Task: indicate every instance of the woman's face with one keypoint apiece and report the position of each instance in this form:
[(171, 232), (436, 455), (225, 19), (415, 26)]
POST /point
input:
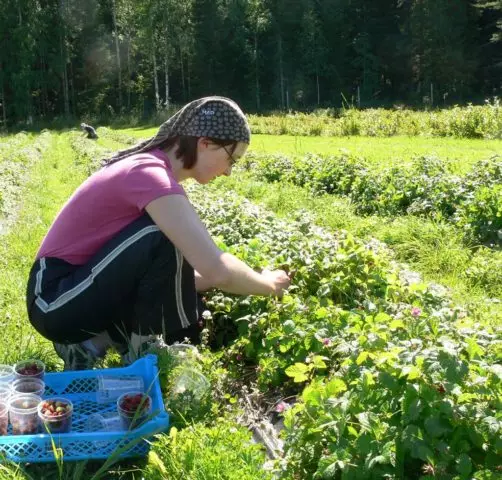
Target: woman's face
[(214, 160)]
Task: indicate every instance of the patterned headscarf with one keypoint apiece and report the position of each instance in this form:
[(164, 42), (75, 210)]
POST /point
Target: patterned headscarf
[(216, 117)]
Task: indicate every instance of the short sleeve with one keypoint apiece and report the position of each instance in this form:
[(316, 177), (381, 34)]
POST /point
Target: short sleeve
[(148, 180)]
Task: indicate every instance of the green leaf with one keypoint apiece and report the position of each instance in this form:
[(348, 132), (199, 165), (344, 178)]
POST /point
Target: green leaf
[(362, 357), (435, 427), (321, 313), (395, 324), (363, 444), (364, 420), (335, 387), (414, 409), (473, 349), (312, 395), (411, 371), (298, 372), (464, 465), (318, 362), (420, 450)]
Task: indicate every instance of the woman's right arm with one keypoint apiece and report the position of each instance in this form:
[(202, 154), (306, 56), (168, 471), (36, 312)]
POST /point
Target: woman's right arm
[(178, 220)]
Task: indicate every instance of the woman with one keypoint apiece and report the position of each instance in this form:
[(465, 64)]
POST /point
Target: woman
[(127, 254)]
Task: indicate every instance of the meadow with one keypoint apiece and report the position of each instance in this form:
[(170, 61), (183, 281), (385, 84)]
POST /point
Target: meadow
[(383, 360)]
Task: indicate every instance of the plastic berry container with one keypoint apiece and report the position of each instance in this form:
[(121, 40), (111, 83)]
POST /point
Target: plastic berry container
[(5, 391), (28, 385), (6, 373), (55, 414), (133, 409), (183, 352), (4, 417), (31, 368), (23, 413), (104, 423)]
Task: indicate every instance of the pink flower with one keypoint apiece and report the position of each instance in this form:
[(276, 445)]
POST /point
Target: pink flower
[(415, 311), (281, 406), (326, 341), (238, 357)]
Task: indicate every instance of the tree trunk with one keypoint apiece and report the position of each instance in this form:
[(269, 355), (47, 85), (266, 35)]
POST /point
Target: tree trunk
[(117, 53), (318, 90), (166, 79), (281, 73), (72, 89), (4, 110), (62, 46), (155, 79), (257, 71), (128, 72), (188, 79), (182, 75)]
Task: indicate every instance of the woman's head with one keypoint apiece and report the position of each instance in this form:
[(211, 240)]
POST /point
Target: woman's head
[(210, 123)]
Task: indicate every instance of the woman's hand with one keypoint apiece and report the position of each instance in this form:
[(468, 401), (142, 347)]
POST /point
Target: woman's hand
[(278, 280)]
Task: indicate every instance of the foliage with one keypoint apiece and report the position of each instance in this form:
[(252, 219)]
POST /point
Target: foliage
[(222, 451), (108, 60), (395, 378), (427, 187), (460, 122)]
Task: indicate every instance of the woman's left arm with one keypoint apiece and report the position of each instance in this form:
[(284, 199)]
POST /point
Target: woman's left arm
[(201, 284)]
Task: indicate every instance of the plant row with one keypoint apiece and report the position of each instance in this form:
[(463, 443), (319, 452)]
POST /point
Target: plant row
[(461, 122), (392, 378), (426, 187), (17, 156)]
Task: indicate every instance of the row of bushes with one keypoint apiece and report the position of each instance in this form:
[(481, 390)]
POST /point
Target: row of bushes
[(395, 381), (425, 187), (467, 122)]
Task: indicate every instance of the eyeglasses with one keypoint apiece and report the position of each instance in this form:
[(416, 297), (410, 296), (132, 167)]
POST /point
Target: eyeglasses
[(233, 160)]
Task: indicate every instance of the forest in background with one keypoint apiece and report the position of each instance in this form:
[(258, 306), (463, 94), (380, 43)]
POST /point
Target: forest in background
[(103, 59)]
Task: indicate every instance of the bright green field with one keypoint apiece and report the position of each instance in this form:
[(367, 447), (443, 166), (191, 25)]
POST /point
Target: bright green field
[(384, 151)]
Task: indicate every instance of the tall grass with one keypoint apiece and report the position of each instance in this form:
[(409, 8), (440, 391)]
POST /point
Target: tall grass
[(460, 122)]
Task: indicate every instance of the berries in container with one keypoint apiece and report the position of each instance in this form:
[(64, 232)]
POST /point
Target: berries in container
[(134, 408), (4, 417), (55, 414), (6, 374), (23, 413), (28, 385), (29, 369)]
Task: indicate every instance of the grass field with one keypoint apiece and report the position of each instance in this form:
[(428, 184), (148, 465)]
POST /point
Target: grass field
[(468, 343), (380, 151)]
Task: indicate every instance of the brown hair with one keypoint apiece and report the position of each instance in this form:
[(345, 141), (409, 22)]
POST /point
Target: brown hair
[(187, 147)]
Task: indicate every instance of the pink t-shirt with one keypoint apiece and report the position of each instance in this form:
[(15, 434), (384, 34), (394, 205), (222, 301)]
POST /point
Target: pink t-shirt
[(105, 203)]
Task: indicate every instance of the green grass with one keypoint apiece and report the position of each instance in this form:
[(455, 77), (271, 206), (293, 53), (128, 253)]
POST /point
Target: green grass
[(434, 249), (382, 151), (52, 181)]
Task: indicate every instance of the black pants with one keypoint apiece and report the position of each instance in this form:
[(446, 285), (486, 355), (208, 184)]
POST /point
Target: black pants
[(138, 282)]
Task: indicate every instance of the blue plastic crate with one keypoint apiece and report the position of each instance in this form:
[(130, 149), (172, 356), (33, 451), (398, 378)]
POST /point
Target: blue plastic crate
[(81, 387)]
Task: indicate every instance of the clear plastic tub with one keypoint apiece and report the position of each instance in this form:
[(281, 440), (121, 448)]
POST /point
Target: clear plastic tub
[(193, 381), (183, 352), (30, 368), (28, 385), (134, 408), (6, 373), (4, 417), (55, 414), (107, 422), (110, 388), (5, 391), (23, 413)]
